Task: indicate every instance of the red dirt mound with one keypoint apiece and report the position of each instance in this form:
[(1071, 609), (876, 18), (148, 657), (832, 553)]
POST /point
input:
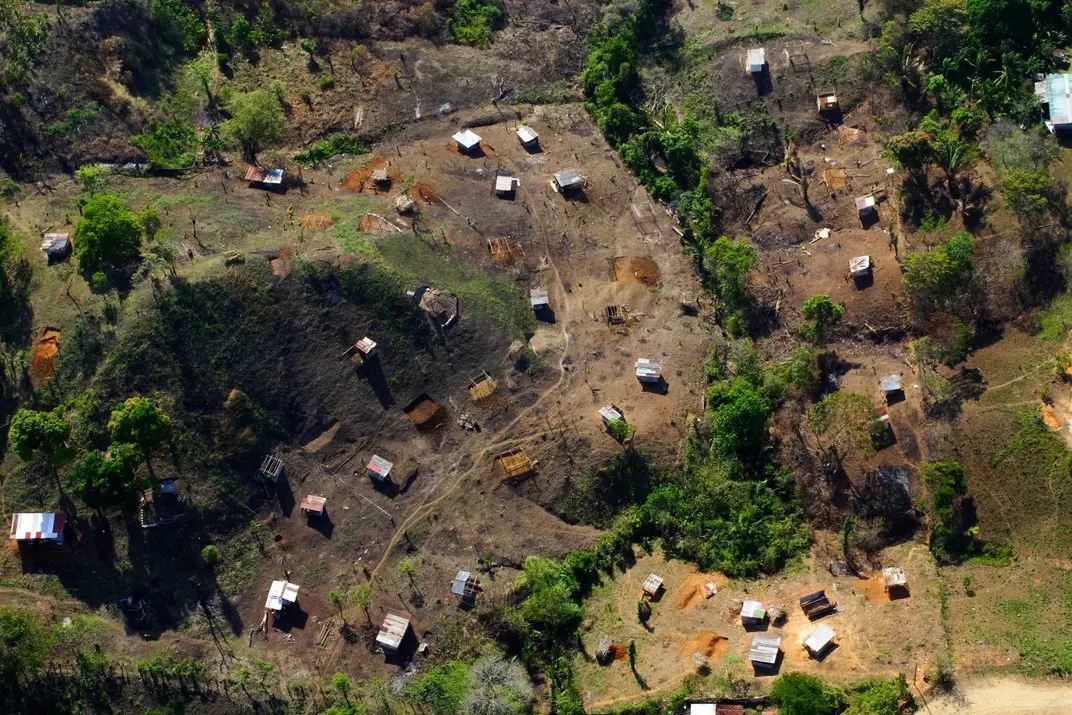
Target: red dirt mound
[(635, 269), (46, 354)]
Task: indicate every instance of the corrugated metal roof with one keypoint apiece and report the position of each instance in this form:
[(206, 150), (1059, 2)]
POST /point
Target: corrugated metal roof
[(891, 383), (757, 58), (818, 640), (609, 413), (765, 649), (1060, 92), (652, 583), (314, 503), (648, 369), (527, 135), (393, 630), (281, 593), (703, 709), (865, 203), (506, 183), (37, 526), (894, 576), (55, 242), (467, 139), (378, 467), (568, 178), (260, 175), (859, 265), (538, 298), (753, 609)]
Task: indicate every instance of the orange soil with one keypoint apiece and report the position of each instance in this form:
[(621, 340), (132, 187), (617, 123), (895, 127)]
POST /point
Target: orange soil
[(710, 644), (689, 593), (361, 180), (318, 221), (635, 269), (46, 354)]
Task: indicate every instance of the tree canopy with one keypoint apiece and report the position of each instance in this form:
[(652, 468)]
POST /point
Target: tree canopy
[(139, 421), (24, 642), (257, 121), (820, 313), (108, 236), (32, 432), (108, 480)]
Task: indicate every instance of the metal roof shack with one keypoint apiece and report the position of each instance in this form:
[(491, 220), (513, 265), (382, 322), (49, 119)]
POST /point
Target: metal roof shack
[(1059, 93), (815, 605), (652, 585), (379, 468), (57, 246), (380, 176), (38, 527), (757, 60), (893, 577), (506, 184), (753, 612), (819, 640), (312, 504), (539, 299), (465, 585), (764, 652), (365, 346), (567, 180), (280, 595), (271, 468), (649, 370), (467, 140), (826, 102), (860, 266), (610, 413), (393, 631), (260, 175), (865, 205), (529, 138), (891, 384)]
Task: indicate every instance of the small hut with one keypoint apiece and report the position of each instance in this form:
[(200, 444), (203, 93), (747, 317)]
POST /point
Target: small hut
[(393, 632), (280, 595), (652, 586), (753, 613), (271, 468), (515, 463), (381, 178), (568, 180), (505, 186), (467, 140), (756, 59), (379, 469), (826, 102), (481, 387), (57, 246), (894, 580), (38, 527), (891, 387), (764, 651), (313, 505), (264, 178), (404, 204), (365, 346), (615, 314), (610, 413), (819, 640), (865, 207), (816, 605), (860, 268), (529, 138), (835, 177), (539, 300), (605, 650), (650, 371), (466, 586)]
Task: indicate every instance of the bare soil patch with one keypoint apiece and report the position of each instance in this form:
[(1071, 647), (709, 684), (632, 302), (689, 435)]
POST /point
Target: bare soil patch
[(360, 181), (45, 356), (691, 591), (708, 644), (636, 269), (318, 221)]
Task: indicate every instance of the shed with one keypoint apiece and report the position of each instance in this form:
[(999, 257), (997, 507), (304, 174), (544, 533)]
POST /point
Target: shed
[(57, 246), (1059, 91), (168, 487), (46, 527), (826, 102), (649, 370), (753, 612), (380, 176), (891, 385), (260, 175), (757, 60), (610, 413), (481, 387), (819, 640), (568, 180), (280, 595), (815, 605), (865, 206), (379, 468), (835, 177), (365, 346), (467, 140), (538, 299), (312, 504), (506, 185), (271, 468), (703, 709), (764, 651), (529, 138), (653, 584), (860, 267), (465, 585), (404, 204), (893, 577), (515, 463), (393, 631)]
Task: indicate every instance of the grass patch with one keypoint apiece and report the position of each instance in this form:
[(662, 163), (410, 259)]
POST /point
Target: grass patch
[(1054, 322), (351, 240), (334, 145), (1038, 628)]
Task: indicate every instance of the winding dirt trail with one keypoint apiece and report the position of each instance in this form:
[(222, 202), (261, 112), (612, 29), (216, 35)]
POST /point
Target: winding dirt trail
[(1004, 696)]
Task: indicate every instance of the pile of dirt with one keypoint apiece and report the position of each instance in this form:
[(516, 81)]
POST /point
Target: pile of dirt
[(424, 192), (283, 264), (46, 355), (690, 594), (636, 269), (319, 221), (711, 645), (361, 182)]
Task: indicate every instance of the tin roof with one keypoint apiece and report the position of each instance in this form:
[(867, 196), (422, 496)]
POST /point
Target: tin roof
[(648, 368), (765, 649), (820, 638), (859, 264), (393, 630), (1060, 94), (37, 526), (467, 139), (609, 413), (891, 383), (365, 345), (272, 466), (281, 593), (260, 175), (703, 709), (538, 297), (756, 59), (506, 183), (314, 503), (527, 135), (753, 609), (652, 583), (864, 203), (568, 178), (457, 586), (378, 466), (894, 576), (55, 241)]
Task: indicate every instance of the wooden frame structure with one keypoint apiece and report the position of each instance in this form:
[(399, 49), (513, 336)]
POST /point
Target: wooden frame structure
[(515, 463), (816, 605), (797, 56), (482, 387)]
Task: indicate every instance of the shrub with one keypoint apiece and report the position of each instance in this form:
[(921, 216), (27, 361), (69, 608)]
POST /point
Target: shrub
[(210, 556), (472, 22), (332, 146), (326, 81), (256, 120), (820, 313), (107, 235), (801, 694), (620, 430)]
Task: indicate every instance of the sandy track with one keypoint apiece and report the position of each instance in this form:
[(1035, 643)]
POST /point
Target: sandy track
[(1005, 696)]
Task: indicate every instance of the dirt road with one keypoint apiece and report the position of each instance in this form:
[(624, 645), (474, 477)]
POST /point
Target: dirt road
[(1005, 696)]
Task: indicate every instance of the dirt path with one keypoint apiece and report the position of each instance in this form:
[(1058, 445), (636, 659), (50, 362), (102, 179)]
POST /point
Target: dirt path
[(1005, 696)]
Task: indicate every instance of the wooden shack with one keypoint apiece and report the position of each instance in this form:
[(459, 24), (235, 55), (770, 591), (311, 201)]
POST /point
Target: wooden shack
[(515, 463), (816, 605)]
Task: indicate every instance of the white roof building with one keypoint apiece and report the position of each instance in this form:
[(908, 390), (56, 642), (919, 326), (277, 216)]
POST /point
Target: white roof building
[(538, 298), (753, 611), (757, 60), (649, 370), (379, 468), (568, 179), (865, 204), (393, 631), (819, 640), (506, 184), (467, 140), (38, 527), (894, 577), (527, 136), (860, 266), (365, 345), (609, 414), (764, 651), (280, 595)]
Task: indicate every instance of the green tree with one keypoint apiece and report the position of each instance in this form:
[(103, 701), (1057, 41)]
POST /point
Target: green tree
[(472, 22), (22, 41), (170, 143), (878, 697), (210, 556), (443, 689), (620, 430), (911, 151), (39, 432), (340, 683), (1027, 191), (936, 277), (336, 600), (361, 596), (256, 121), (139, 421), (728, 265), (847, 419), (550, 610), (739, 414), (498, 687), (107, 235), (24, 642), (947, 481), (108, 480), (643, 608), (15, 275), (801, 694), (820, 314)]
